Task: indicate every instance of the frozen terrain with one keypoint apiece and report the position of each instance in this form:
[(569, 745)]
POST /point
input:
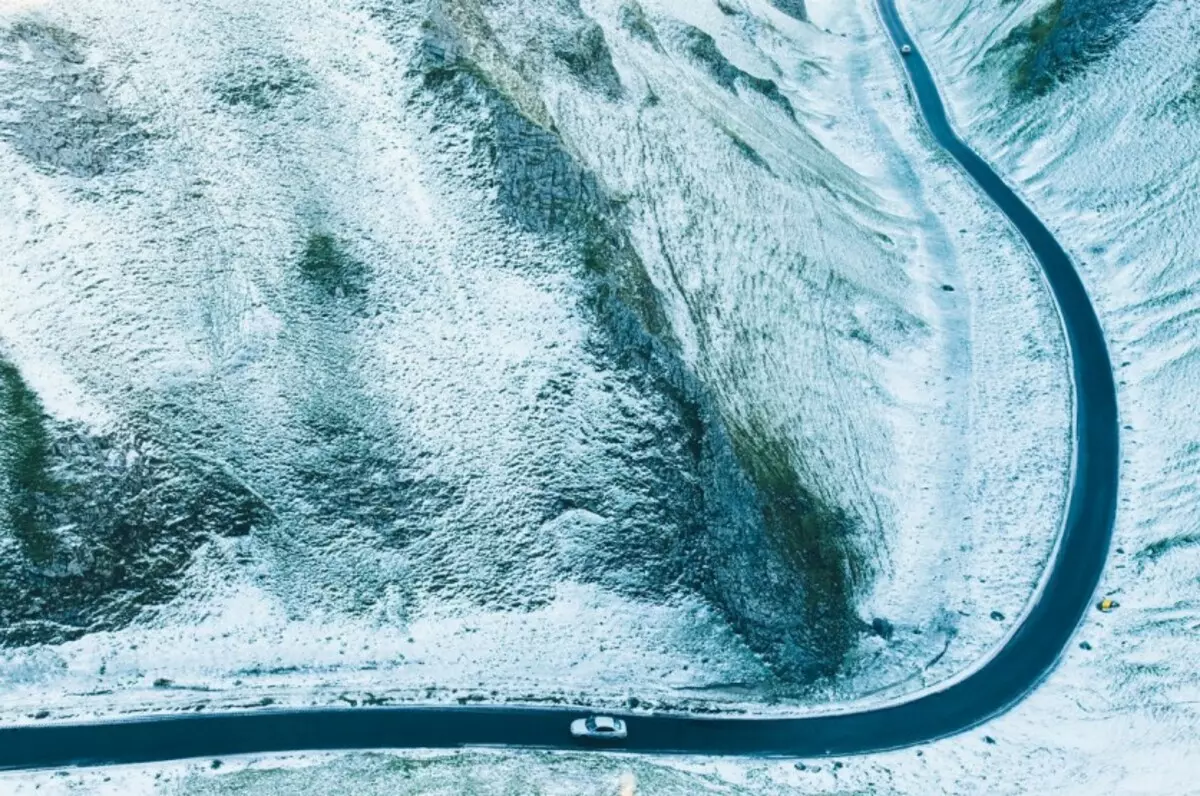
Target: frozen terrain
[(1106, 152), (1102, 148), (500, 351)]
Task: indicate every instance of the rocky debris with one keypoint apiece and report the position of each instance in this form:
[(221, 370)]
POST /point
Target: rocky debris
[(730, 517), (55, 108), (99, 527), (262, 83)]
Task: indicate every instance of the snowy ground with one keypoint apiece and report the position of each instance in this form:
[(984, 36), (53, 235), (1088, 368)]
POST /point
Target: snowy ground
[(803, 240), (1107, 161)]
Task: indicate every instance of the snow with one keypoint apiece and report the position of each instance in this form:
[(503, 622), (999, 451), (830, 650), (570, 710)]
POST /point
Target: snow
[(1116, 718), (803, 283), (1110, 164)]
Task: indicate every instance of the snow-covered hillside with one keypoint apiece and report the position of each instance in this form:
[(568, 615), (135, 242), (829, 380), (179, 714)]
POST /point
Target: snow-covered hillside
[(508, 350), (1106, 151)]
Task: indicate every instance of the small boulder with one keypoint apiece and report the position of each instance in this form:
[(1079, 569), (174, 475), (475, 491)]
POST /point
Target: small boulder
[(882, 628)]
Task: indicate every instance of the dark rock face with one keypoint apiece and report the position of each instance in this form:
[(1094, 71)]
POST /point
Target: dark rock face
[(54, 108), (702, 48), (586, 55), (793, 8), (633, 20), (262, 83), (721, 510), (1067, 35), (95, 529)]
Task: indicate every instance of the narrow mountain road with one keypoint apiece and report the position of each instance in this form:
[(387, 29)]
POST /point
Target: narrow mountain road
[(1002, 681)]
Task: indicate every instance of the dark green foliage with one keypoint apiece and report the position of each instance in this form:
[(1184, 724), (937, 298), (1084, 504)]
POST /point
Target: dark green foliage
[(28, 474), (327, 267), (812, 537), (103, 525), (1032, 38), (1066, 36)]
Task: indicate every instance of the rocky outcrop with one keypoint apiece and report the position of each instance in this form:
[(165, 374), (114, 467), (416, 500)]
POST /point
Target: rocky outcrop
[(793, 8), (97, 528), (723, 511), (1067, 35), (55, 109)]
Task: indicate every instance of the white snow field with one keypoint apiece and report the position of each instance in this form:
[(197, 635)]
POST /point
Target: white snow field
[(449, 350), (1110, 160), (1106, 158)]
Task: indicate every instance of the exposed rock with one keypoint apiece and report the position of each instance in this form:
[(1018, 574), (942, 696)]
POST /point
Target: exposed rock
[(703, 49), (725, 512), (632, 18), (99, 527), (1067, 35), (262, 83), (793, 8), (55, 109)]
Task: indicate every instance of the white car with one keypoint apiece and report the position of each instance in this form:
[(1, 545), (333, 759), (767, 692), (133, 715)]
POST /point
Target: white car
[(604, 728), (906, 50)]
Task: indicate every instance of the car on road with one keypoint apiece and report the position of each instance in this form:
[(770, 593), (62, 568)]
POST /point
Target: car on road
[(603, 728), (906, 49)]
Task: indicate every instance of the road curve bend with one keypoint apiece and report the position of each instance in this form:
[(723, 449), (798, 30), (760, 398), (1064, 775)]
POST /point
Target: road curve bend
[(1013, 671)]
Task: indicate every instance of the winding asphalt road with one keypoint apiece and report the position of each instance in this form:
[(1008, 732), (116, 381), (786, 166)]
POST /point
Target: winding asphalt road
[(1019, 666)]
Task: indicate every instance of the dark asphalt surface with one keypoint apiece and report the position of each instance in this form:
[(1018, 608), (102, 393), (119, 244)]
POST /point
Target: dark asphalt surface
[(1030, 654)]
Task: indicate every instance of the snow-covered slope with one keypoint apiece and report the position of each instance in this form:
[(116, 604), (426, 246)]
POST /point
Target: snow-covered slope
[(500, 350), (1107, 153)]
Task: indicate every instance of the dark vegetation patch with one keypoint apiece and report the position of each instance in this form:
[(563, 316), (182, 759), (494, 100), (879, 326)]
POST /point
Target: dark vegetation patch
[(96, 528), (813, 538), (28, 466), (586, 55), (326, 266), (633, 20), (1065, 37), (747, 151), (55, 109), (262, 83), (1156, 550), (703, 49)]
